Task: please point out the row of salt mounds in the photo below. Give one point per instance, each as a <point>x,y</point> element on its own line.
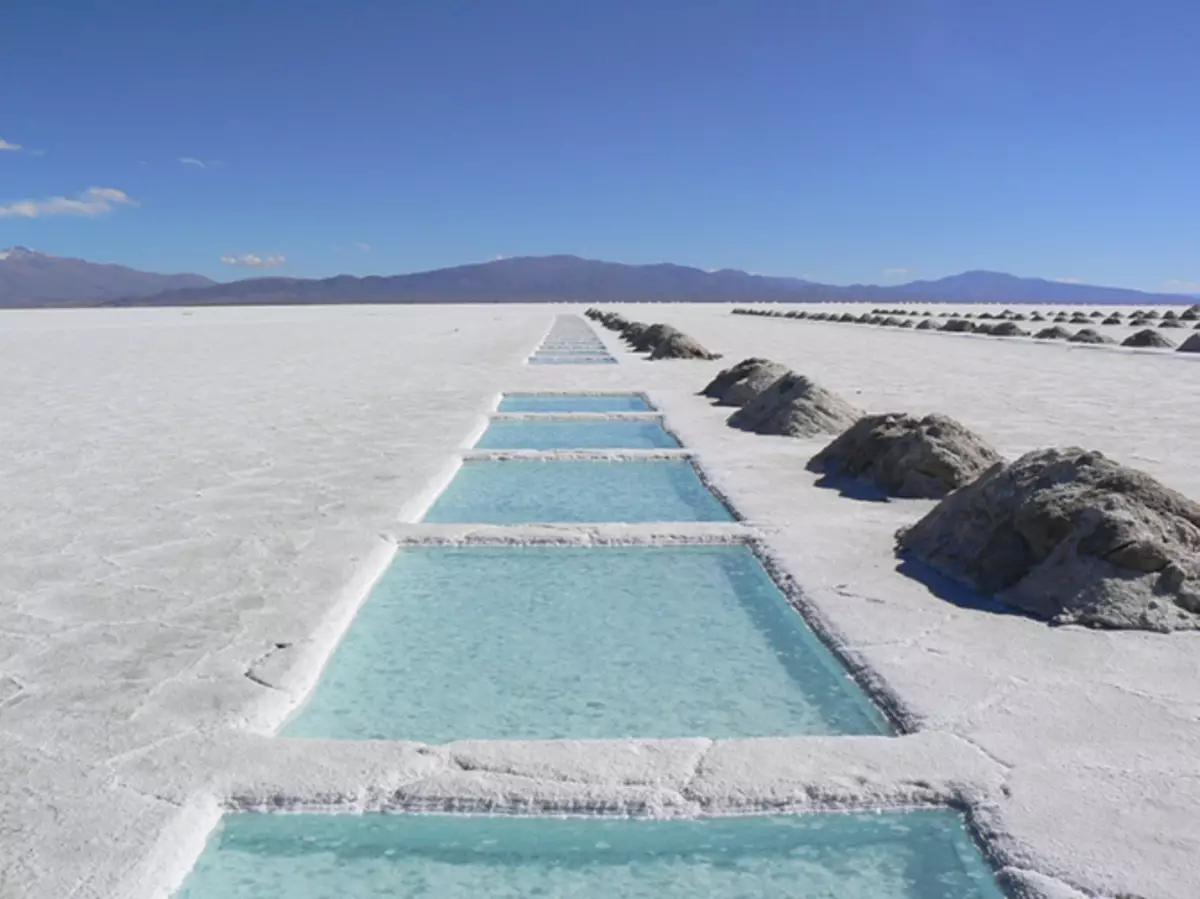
<point>901,454</point>
<point>1073,537</point>
<point>907,456</point>
<point>664,342</point>
<point>743,382</point>
<point>795,406</point>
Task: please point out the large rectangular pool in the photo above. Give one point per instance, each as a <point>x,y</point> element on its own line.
<point>527,491</point>
<point>924,854</point>
<point>552,642</point>
<point>574,402</point>
<point>569,434</point>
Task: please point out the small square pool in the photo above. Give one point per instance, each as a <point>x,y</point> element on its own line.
<point>553,642</point>
<point>925,854</point>
<point>526,491</point>
<point>569,434</point>
<point>574,402</point>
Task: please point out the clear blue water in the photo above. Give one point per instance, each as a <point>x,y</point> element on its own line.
<point>568,434</point>
<point>573,402</point>
<point>572,360</point>
<point>552,642</point>
<point>893,855</point>
<point>575,491</point>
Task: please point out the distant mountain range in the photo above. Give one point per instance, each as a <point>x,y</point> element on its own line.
<point>31,279</point>
<point>35,279</point>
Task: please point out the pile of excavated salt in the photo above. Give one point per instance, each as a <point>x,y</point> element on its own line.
<point>743,382</point>
<point>1071,536</point>
<point>795,406</point>
<point>908,456</point>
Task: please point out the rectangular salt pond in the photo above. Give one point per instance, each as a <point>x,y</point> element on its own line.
<point>572,360</point>
<point>552,642</point>
<point>569,434</point>
<point>924,854</point>
<point>574,402</point>
<point>526,491</point>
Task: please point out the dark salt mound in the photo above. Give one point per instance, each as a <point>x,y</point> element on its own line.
<point>680,346</point>
<point>796,407</point>
<point>1191,345</point>
<point>1087,335</point>
<point>957,325</point>
<point>925,325</point>
<point>1148,338</point>
<point>633,331</point>
<point>1073,537</point>
<point>652,336</point>
<point>1054,332</point>
<point>908,456</point>
<point>743,382</point>
<point>1009,329</point>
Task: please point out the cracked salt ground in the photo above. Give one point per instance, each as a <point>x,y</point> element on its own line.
<point>136,725</point>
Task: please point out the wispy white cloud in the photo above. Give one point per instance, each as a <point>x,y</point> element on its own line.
<point>1181,285</point>
<point>249,260</point>
<point>362,247</point>
<point>498,257</point>
<point>895,272</point>
<point>191,160</point>
<point>93,201</point>
<point>1069,280</point>
<point>5,145</point>
<point>37,152</point>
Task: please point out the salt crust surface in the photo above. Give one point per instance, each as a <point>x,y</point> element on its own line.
<point>194,503</point>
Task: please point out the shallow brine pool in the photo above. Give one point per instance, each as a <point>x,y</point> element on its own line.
<point>568,434</point>
<point>574,402</point>
<point>525,491</point>
<point>552,642</point>
<point>892,855</point>
<point>571,360</point>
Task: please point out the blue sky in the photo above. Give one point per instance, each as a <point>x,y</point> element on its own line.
<point>839,140</point>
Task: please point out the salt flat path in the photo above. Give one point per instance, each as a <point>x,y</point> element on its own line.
<point>192,502</point>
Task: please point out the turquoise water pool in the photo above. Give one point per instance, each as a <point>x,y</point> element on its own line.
<point>571,360</point>
<point>894,855</point>
<point>572,490</point>
<point>568,434</point>
<point>575,643</point>
<point>573,402</point>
